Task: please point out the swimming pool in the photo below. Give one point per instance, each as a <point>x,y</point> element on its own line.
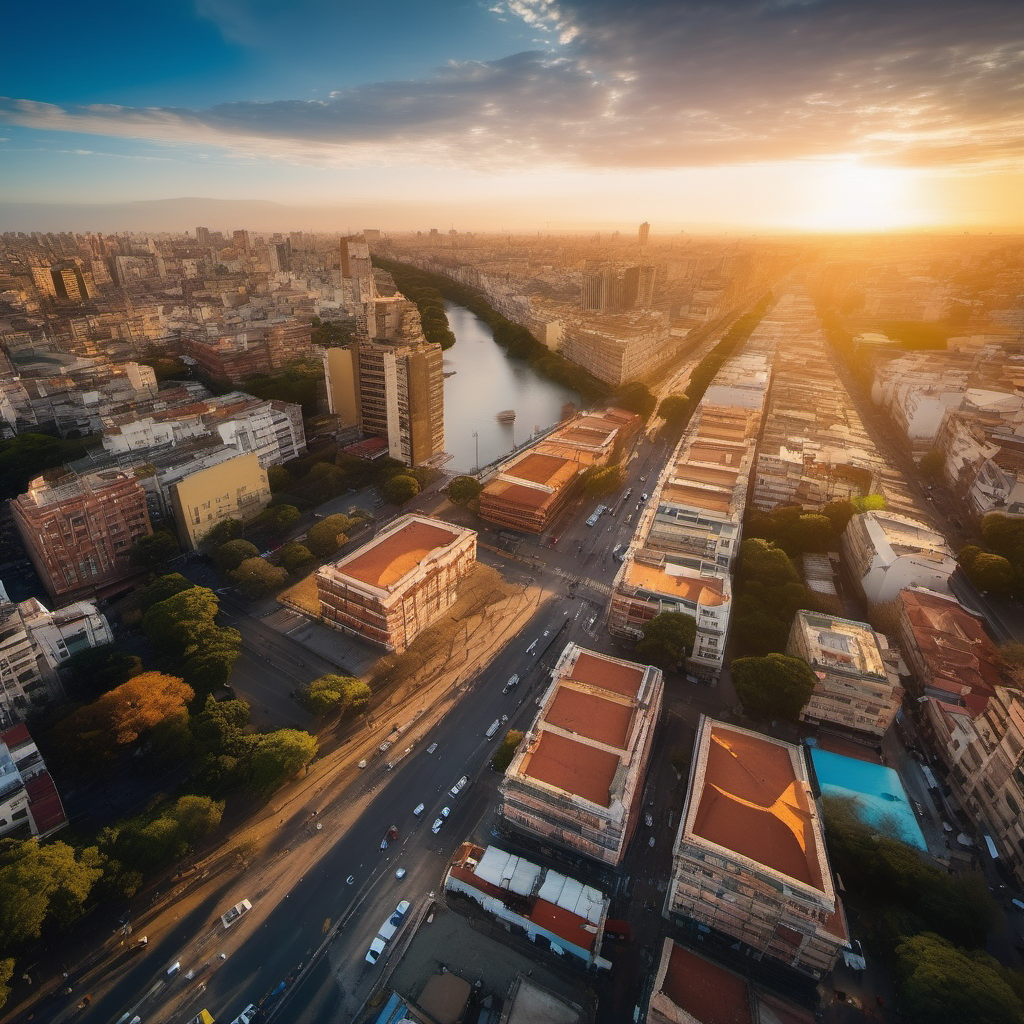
<point>877,790</point>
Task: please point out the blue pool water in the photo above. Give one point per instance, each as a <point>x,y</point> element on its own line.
<point>877,790</point>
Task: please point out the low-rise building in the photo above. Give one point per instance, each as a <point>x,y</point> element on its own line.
<point>577,779</point>
<point>527,493</point>
<point>886,552</point>
<point>541,904</point>
<point>79,530</point>
<point>30,805</point>
<point>857,684</point>
<point>749,861</point>
<point>397,584</point>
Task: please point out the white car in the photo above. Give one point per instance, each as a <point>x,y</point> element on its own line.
<point>431,748</point>
<point>246,1016</point>
<point>235,913</point>
<point>375,950</point>
<point>419,809</point>
<point>440,820</point>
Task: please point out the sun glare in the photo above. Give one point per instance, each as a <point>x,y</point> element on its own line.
<point>854,197</point>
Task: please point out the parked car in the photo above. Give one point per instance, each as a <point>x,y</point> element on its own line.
<point>440,820</point>
<point>235,913</point>
<point>419,809</point>
<point>431,748</point>
<point>458,787</point>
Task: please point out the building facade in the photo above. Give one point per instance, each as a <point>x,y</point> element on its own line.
<point>397,584</point>
<point>857,684</point>
<point>30,806</point>
<point>78,531</point>
<point>749,861</point>
<point>577,778</point>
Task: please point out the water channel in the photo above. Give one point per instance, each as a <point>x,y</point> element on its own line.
<point>484,382</point>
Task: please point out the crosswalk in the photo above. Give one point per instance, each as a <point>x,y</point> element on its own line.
<point>575,581</point>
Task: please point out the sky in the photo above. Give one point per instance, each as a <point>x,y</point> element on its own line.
<point>744,115</point>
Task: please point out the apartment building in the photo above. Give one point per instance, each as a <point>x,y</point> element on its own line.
<point>857,673</point>
<point>886,552</point>
<point>237,353</point>
<point>548,908</point>
<point>749,863</point>
<point>236,488</point>
<point>618,347</point>
<point>576,780</point>
<point>78,530</point>
<point>394,586</point>
<point>30,806</point>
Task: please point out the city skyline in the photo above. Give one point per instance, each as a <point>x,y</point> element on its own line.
<point>522,115</point>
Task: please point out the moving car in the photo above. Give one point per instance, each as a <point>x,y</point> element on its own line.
<point>458,787</point>
<point>440,820</point>
<point>512,681</point>
<point>235,913</point>
<point>389,837</point>
<point>418,809</point>
<point>246,1016</point>
<point>431,748</point>
<point>492,728</point>
<point>386,932</point>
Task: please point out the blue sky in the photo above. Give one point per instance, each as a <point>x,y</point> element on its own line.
<point>813,113</point>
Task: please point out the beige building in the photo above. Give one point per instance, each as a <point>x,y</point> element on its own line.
<point>397,584</point>
<point>235,489</point>
<point>749,860</point>
<point>618,347</point>
<point>341,371</point>
<point>577,778</point>
<point>857,684</point>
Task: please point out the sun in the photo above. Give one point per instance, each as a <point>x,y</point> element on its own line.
<point>851,196</point>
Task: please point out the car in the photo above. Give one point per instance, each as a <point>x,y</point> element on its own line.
<point>547,632</point>
<point>492,729</point>
<point>400,873</point>
<point>648,820</point>
<point>650,842</point>
<point>431,748</point>
<point>173,969</point>
<point>389,837</point>
<point>138,944</point>
<point>229,918</point>
<point>513,680</point>
<point>418,809</point>
<point>458,787</point>
<point>363,763</point>
<point>644,496</point>
<point>247,1015</point>
<point>400,911</point>
<point>375,950</point>
<point>436,827</point>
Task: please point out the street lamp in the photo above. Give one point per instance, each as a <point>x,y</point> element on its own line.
<point>476,442</point>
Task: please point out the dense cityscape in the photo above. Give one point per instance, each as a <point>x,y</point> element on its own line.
<point>512,513</point>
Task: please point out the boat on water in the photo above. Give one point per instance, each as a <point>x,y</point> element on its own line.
<point>506,416</point>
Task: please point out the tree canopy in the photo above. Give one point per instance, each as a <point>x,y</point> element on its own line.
<point>256,577</point>
<point>400,488</point>
<point>775,686</point>
<point>325,537</point>
<point>154,550</point>
<point>674,410</point>
<point>600,480</point>
<point>668,639</point>
<point>231,555</point>
<point>294,556</point>
<point>27,455</point>
<point>95,670</point>
<point>277,520</point>
<point>991,574</point>
<point>277,756</point>
<point>504,754</point>
<point>333,694</point>
<point>173,624</point>
<point>463,488</point>
<point>161,588</point>
<point>634,396</point>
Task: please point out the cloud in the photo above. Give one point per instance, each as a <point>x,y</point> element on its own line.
<point>656,84</point>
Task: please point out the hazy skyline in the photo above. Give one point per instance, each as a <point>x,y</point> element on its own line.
<point>524,114</point>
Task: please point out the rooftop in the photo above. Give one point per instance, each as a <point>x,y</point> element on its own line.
<point>708,993</point>
<point>572,766</point>
<point>386,560</point>
<point>590,715</point>
<point>608,673</point>
<point>704,590</point>
<point>542,469</point>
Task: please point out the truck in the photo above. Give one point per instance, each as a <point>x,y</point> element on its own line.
<point>386,932</point>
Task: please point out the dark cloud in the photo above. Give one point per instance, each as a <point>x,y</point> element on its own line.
<point>659,84</point>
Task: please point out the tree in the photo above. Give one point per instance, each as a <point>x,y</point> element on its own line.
<point>277,519</point>
<point>932,465</point>
<point>635,397</point>
<point>295,555</point>
<point>602,480</point>
<point>27,455</point>
<point>940,984</point>
<point>323,482</point>
<point>968,553</point>
<point>335,694</point>
<point>325,537</point>
<point>222,532</point>
<point>504,754</point>
<point>6,972</point>
<point>279,479</point>
<point>839,514</point>
<point>674,410</point>
<point>399,489</point>
<point>162,588</point>
<point>668,639</point>
<point>174,623</point>
<point>230,556</point>
<point>256,577</point>
<point>210,659</point>
<point>96,670</point>
<point>463,488</point>
<point>766,563</point>
<point>277,756</point>
<point>220,727</point>
<point>808,532</point>
<point>123,716</point>
<point>776,686</point>
<point>153,550</point>
<point>869,503</point>
<point>991,574</point>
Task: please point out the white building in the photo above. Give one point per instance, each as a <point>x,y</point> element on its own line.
<point>886,552</point>
<point>29,802</point>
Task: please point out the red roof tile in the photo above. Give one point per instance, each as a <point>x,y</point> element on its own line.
<point>609,675</point>
<point>590,715</point>
<point>574,767</point>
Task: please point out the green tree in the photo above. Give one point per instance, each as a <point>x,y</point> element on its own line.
<point>766,563</point>
<point>96,670</point>
<point>991,574</point>
<point>507,750</point>
<point>667,640</point>
<point>161,588</point>
<point>295,555</point>
<point>336,694</point>
<point>968,553</point>
<point>173,624</point>
<point>220,727</point>
<point>776,686</point>
<point>399,489</point>
<point>154,550</point>
<point>279,479</point>
<point>600,480</point>
<point>463,488</point>
<point>839,514</point>
<point>256,578</point>
<point>869,503</point>
<point>6,973</point>
<point>932,465</point>
<point>323,482</point>
<point>230,556</point>
<point>674,410</point>
<point>277,756</point>
<point>940,984</point>
<point>635,396</point>
<point>277,520</point>
<point>807,532</point>
<point>222,532</point>
<point>210,659</point>
<point>325,537</point>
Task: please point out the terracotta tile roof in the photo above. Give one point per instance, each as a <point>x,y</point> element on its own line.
<point>697,497</point>
<point>609,675</point>
<point>504,493</point>
<point>549,470</point>
<point>753,803</point>
<point>709,993</point>
<point>590,715</point>
<point>16,736</point>
<point>563,923</point>
<point>577,768</point>
<point>383,563</point>
<point>706,590</point>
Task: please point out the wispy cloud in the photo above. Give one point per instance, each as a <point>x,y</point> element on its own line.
<point>655,84</point>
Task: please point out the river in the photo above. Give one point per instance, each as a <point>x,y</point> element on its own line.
<point>485,382</point>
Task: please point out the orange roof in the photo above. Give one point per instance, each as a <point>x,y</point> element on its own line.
<point>549,470</point>
<point>709,993</point>
<point>706,590</point>
<point>504,493</point>
<point>383,563</point>
<point>753,803</point>
<point>590,715</point>
<point>574,767</point>
<point>609,675</point>
<point>698,497</point>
